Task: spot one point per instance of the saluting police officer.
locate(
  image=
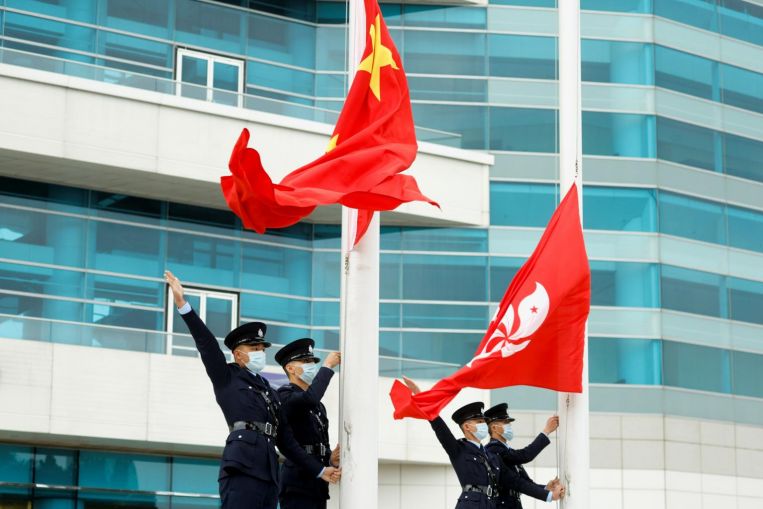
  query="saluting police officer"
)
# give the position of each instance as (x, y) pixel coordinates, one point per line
(514, 478)
(257, 422)
(476, 469)
(301, 399)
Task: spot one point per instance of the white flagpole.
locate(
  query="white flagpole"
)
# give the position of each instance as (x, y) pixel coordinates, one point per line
(573, 430)
(359, 315)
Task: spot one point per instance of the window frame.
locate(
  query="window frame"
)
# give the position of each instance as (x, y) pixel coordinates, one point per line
(211, 59)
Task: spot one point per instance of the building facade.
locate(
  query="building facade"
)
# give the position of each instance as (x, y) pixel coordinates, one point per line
(116, 118)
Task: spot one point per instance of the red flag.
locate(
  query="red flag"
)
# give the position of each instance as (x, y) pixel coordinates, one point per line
(373, 141)
(537, 334)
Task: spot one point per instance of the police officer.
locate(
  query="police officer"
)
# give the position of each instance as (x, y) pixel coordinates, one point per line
(514, 478)
(301, 399)
(476, 469)
(257, 423)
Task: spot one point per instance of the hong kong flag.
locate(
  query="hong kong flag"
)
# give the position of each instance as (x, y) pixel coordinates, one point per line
(373, 142)
(537, 334)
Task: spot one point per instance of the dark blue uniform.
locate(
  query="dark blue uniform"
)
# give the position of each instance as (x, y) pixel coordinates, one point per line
(514, 479)
(249, 470)
(474, 466)
(307, 415)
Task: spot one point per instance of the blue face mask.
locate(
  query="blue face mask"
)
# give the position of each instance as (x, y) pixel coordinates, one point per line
(309, 370)
(481, 432)
(256, 361)
(508, 433)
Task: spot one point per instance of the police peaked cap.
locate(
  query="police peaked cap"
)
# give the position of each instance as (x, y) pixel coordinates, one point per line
(252, 333)
(297, 350)
(470, 411)
(499, 412)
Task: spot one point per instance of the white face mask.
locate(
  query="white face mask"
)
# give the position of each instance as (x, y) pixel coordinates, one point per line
(256, 361)
(481, 432)
(508, 433)
(309, 370)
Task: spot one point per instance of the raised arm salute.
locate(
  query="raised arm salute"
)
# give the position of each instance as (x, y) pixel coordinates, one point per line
(249, 471)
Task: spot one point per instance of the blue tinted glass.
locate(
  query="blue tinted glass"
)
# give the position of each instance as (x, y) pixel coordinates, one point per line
(439, 277)
(743, 157)
(125, 248)
(747, 370)
(523, 129)
(691, 291)
(745, 228)
(698, 13)
(280, 40)
(444, 239)
(44, 196)
(389, 315)
(443, 316)
(209, 26)
(22, 305)
(225, 77)
(55, 466)
(391, 238)
(618, 134)
(625, 361)
(440, 16)
(280, 78)
(619, 209)
(195, 70)
(52, 33)
(696, 367)
(743, 20)
(644, 6)
(529, 3)
(502, 271)
(325, 313)
(125, 290)
(616, 62)
(686, 73)
(275, 269)
(324, 339)
(275, 309)
(448, 89)
(693, 218)
(134, 49)
(746, 300)
(334, 85)
(146, 17)
(205, 259)
(123, 471)
(81, 10)
(742, 88)
(326, 273)
(444, 53)
(522, 56)
(330, 44)
(41, 280)
(389, 344)
(440, 346)
(118, 316)
(190, 475)
(688, 144)
(625, 284)
(40, 237)
(514, 204)
(390, 276)
(466, 126)
(15, 463)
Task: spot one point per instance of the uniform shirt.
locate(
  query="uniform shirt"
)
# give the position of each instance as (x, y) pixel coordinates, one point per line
(465, 456)
(513, 475)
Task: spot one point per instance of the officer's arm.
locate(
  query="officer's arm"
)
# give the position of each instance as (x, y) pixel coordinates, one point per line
(527, 454)
(444, 435)
(288, 445)
(315, 392)
(207, 345)
(511, 480)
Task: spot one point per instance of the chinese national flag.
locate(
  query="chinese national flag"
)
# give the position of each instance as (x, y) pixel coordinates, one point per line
(373, 142)
(537, 334)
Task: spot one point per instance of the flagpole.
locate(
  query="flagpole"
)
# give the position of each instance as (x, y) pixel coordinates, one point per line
(573, 433)
(359, 333)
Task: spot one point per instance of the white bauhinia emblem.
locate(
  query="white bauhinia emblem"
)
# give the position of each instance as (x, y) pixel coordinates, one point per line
(532, 311)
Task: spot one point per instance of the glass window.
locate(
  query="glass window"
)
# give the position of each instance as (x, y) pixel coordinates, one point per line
(466, 126)
(276, 269)
(45, 196)
(330, 43)
(616, 62)
(124, 290)
(625, 361)
(743, 20)
(326, 273)
(747, 370)
(698, 13)
(438, 277)
(688, 144)
(15, 463)
(528, 3)
(469, 240)
(45, 238)
(460, 53)
(207, 260)
(746, 300)
(391, 273)
(123, 471)
(624, 284)
(51, 33)
(513, 204)
(522, 56)
(209, 26)
(441, 346)
(693, 292)
(502, 272)
(55, 466)
(523, 129)
(618, 134)
(444, 16)
(444, 316)
(389, 315)
(191, 475)
(81, 10)
(134, 49)
(743, 157)
(41, 280)
(745, 228)
(619, 209)
(696, 367)
(146, 17)
(126, 249)
(276, 77)
(118, 316)
(325, 313)
(325, 339)
(693, 218)
(686, 73)
(445, 89)
(389, 344)
(741, 88)
(280, 40)
(644, 6)
(123, 207)
(275, 309)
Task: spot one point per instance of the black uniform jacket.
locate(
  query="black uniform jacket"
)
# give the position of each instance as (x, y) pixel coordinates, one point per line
(514, 478)
(310, 425)
(468, 462)
(241, 396)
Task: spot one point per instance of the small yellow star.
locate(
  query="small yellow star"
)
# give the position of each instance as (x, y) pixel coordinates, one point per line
(332, 143)
(380, 56)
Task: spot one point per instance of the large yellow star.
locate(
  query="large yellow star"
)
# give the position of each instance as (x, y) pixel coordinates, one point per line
(380, 56)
